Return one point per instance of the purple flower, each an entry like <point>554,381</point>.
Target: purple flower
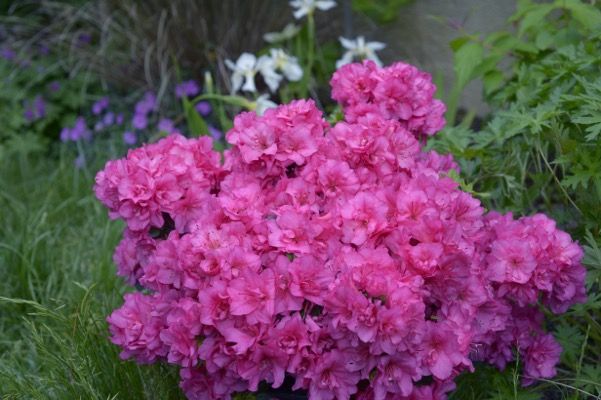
<point>83,39</point>
<point>40,107</point>
<point>80,130</point>
<point>109,119</point>
<point>187,89</point>
<point>129,138</point>
<point>100,106</point>
<point>119,119</point>
<point>44,50</point>
<point>204,108</point>
<point>98,126</point>
<point>147,104</point>
<point>65,134</point>
<point>166,125</point>
<point>80,162</point>
<point>8,54</point>
<point>54,86</point>
<point>215,133</point>
<point>140,121</point>
<point>28,114</point>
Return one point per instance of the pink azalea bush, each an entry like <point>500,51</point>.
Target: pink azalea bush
<point>342,257</point>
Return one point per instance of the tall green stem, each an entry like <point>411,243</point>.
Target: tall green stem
<point>310,52</point>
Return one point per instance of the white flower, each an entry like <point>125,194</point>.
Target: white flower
<point>360,49</point>
<point>286,64</point>
<point>307,7</point>
<point>288,32</point>
<point>275,65</point>
<point>263,103</point>
<point>244,70</point>
<point>270,76</point>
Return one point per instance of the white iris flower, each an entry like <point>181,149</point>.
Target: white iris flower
<point>307,7</point>
<point>244,71</point>
<point>288,32</point>
<point>360,49</point>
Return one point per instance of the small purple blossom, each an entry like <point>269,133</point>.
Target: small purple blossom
<point>119,119</point>
<point>98,126</point>
<point>215,133</point>
<point>99,106</point>
<point>79,131</point>
<point>166,125</point>
<point>204,108</point>
<point>8,54</point>
<point>109,119</point>
<point>147,104</point>
<point>28,114</point>
<point>65,134</point>
<point>84,39</point>
<point>36,110</point>
<point>80,161</point>
<point>187,89</point>
<point>44,50</point>
<point>40,107</point>
<point>129,137</point>
<point>139,121</point>
<point>54,86</point>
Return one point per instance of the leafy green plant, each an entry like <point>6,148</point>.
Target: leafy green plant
<point>540,148</point>
<point>39,96</point>
<point>540,151</point>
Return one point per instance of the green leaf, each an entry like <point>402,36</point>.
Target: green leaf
<point>196,123</point>
<point>458,42</point>
<point>544,40</point>
<point>595,126</point>
<point>534,17</point>
<point>467,58</point>
<point>586,14</point>
<point>492,80</point>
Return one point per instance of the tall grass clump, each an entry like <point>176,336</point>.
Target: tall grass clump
<point>57,285</point>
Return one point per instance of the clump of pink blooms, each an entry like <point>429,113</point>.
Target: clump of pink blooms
<point>342,258</point>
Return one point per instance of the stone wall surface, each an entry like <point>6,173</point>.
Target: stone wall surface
<point>421,35</point>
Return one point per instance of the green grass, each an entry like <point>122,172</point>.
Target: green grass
<point>57,285</point>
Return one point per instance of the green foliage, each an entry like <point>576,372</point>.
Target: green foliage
<point>382,10</point>
<point>58,284</point>
<point>490,384</point>
<point>23,80</point>
<point>540,151</point>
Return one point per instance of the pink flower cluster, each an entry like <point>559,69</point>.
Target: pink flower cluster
<point>400,92</point>
<point>341,258</point>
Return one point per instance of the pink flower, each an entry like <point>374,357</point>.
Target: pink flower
<point>441,352</point>
<point>182,332</point>
<point>363,216</point>
<point>395,376</point>
<point>341,256</point>
<point>290,231</point>
<point>253,136</point>
<point>332,379</point>
<point>511,261</point>
<point>540,358</point>
<point>252,295</point>
<point>137,326</point>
